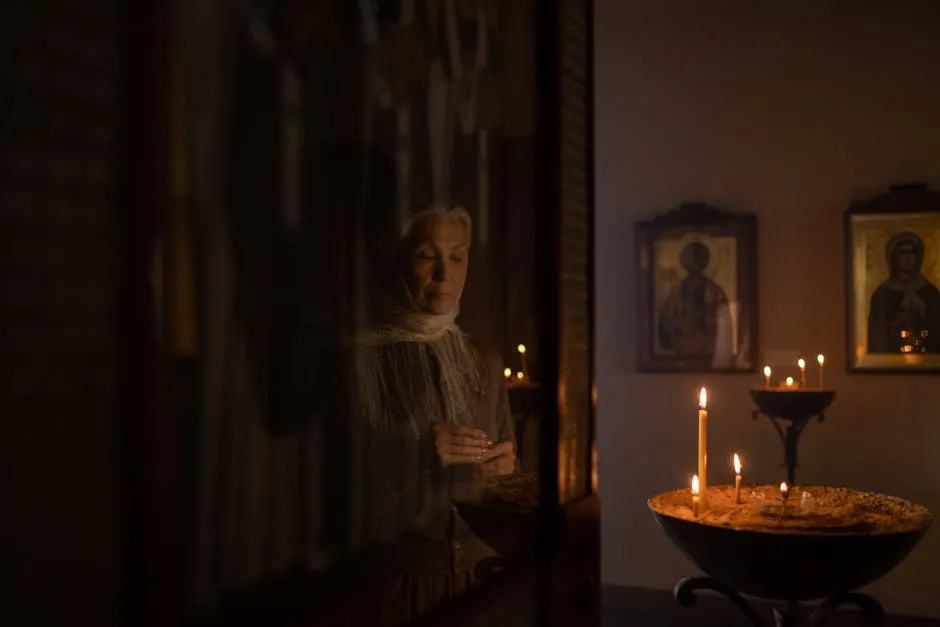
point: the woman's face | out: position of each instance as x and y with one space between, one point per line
440 251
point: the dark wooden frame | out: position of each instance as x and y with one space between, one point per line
911 198
713 221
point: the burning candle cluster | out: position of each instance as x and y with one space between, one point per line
789 383
783 527
521 376
700 480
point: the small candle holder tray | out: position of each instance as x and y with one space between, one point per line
789 411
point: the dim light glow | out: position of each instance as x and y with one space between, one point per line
737 464
694 485
703 398
520 375
521 348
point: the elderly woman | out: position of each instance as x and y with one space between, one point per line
428 406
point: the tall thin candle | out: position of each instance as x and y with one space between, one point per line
767 373
525 366
821 361
702 440
802 364
737 479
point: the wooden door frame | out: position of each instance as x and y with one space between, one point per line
149 436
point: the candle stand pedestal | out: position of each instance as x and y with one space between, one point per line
789 411
789 615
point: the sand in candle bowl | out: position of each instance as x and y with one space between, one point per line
809 510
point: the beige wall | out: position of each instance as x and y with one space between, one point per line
789 114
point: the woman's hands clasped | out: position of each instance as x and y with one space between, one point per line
499 460
464 445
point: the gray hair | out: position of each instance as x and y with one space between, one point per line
419 212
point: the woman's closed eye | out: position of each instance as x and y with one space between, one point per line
425 255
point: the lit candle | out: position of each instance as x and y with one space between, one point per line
525 368
508 373
789 382
737 479
784 491
802 364
520 375
821 361
767 372
702 438
695 494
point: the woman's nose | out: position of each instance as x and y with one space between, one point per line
440 271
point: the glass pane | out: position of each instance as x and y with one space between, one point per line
362 185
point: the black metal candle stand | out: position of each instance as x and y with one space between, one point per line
789 411
788 569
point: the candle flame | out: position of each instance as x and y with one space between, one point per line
767 371
820 359
784 488
520 375
507 372
789 381
703 398
737 464
694 485
801 363
521 348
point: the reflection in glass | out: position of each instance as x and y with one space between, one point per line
354 430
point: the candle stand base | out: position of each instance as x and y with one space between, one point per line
790 614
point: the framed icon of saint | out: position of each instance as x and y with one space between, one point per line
893 281
697 278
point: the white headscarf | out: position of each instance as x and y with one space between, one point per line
413 369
